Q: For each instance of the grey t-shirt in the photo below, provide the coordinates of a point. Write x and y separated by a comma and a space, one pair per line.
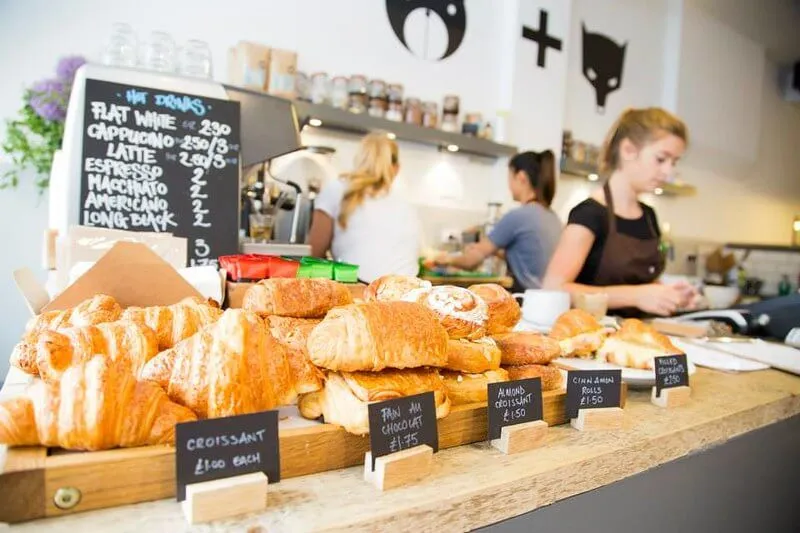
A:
529, 235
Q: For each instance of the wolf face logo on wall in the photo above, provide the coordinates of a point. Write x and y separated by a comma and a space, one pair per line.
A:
417, 13
603, 61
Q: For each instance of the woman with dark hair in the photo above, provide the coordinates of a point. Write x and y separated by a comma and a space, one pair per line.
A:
527, 234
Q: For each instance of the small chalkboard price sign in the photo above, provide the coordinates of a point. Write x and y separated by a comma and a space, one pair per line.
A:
592, 389
225, 447
671, 371
403, 423
160, 161
513, 402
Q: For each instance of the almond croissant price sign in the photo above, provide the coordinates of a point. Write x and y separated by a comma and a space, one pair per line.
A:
592, 389
225, 447
403, 423
671, 371
513, 402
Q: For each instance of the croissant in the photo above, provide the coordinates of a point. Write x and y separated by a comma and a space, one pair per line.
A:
393, 287
231, 367
95, 310
56, 351
293, 334
636, 345
578, 333
504, 311
346, 395
526, 348
462, 313
173, 323
299, 298
376, 335
97, 405
463, 388
473, 357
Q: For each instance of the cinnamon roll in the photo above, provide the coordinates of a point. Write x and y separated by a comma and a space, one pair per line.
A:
504, 311
462, 312
393, 287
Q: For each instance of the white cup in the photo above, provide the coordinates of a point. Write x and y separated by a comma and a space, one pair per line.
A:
542, 307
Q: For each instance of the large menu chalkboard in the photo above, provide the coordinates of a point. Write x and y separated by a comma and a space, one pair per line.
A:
156, 160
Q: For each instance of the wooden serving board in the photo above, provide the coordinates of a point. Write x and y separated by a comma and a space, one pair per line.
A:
33, 475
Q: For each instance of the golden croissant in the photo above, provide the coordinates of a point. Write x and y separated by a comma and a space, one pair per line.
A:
296, 297
173, 323
231, 367
95, 310
56, 351
97, 405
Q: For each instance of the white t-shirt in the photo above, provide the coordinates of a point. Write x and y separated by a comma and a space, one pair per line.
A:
382, 234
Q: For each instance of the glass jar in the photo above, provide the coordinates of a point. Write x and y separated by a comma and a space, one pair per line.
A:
319, 88
161, 52
195, 60
430, 115
451, 104
302, 86
394, 92
121, 50
413, 113
357, 89
394, 111
449, 122
339, 92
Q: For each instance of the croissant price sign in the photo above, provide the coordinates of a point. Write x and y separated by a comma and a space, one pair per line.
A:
403, 423
513, 402
671, 371
225, 447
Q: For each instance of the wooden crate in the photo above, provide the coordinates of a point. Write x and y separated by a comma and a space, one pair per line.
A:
110, 478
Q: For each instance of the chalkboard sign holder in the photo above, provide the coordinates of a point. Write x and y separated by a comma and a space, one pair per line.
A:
399, 468
672, 397
521, 437
223, 498
602, 419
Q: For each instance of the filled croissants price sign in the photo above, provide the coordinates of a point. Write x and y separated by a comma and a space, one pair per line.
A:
156, 160
593, 389
225, 447
513, 402
403, 423
671, 371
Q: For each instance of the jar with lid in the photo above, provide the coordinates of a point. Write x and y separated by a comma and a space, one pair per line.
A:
413, 113
394, 111
430, 115
451, 104
340, 92
319, 88
394, 92
377, 98
357, 89
302, 86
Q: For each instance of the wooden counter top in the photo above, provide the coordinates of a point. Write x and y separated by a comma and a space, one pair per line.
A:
475, 485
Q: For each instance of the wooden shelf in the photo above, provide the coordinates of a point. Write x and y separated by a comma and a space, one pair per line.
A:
362, 123
578, 169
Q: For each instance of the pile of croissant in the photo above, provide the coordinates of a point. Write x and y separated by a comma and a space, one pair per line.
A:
111, 377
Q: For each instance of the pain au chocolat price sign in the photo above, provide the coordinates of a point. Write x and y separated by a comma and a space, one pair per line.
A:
160, 161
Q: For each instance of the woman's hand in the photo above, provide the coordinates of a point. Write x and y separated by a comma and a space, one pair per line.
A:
660, 299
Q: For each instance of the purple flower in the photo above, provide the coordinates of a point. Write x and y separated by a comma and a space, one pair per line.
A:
65, 70
48, 99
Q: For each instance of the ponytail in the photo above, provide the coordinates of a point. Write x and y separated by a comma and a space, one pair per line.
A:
372, 175
540, 169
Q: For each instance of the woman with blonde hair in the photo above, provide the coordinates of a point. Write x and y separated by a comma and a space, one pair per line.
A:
363, 219
611, 241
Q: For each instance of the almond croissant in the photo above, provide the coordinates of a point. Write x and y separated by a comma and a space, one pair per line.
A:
97, 405
95, 310
173, 323
232, 367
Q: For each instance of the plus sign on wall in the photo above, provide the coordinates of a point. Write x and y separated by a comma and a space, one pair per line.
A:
541, 38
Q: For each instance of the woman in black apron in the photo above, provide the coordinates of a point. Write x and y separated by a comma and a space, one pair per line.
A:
611, 241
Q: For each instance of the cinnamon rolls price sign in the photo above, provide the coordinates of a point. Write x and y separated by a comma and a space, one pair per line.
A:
225, 447
155, 160
513, 402
593, 389
403, 423
671, 371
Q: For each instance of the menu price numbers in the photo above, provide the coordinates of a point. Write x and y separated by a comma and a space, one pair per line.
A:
399, 443
202, 160
513, 415
212, 128
671, 371
591, 400
513, 402
193, 142
593, 389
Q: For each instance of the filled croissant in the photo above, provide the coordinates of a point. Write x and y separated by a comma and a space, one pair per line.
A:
173, 323
97, 405
232, 367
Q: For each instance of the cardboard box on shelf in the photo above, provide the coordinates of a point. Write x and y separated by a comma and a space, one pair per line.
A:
282, 70
248, 65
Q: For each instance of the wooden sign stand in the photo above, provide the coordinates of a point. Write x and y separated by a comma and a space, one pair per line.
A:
672, 397
223, 498
604, 418
521, 437
399, 468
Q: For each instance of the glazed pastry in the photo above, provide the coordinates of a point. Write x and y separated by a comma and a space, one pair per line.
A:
462, 313
377, 335
635, 345
551, 376
293, 334
504, 311
472, 357
393, 287
465, 388
173, 323
95, 310
526, 348
56, 351
98, 404
232, 367
296, 297
344, 399
579, 333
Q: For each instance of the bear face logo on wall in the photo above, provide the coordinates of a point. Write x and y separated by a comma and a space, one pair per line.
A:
603, 62
424, 35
